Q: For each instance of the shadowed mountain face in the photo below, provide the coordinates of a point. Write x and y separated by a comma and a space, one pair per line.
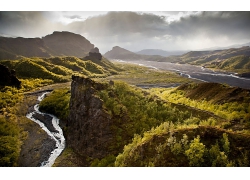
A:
67, 44
56, 44
12, 48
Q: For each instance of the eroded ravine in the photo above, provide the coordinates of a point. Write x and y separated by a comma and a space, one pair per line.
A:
50, 124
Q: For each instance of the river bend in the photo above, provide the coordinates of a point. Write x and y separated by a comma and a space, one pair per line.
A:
50, 124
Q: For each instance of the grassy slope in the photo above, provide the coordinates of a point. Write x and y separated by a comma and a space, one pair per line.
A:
136, 112
58, 69
175, 146
163, 146
35, 73
234, 59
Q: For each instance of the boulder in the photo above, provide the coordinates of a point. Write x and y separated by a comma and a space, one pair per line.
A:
8, 77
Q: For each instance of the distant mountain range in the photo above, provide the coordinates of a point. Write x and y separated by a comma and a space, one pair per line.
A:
232, 59
124, 54
57, 44
160, 52
226, 47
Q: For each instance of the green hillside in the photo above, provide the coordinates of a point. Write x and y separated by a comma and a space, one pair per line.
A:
237, 63
59, 69
174, 146
157, 130
234, 59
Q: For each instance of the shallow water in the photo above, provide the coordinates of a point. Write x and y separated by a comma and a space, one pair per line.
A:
56, 136
196, 72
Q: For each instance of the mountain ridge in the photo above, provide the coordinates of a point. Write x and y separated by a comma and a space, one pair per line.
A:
160, 52
120, 53
62, 43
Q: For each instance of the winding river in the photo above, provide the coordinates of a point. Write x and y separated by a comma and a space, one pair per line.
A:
52, 128
196, 72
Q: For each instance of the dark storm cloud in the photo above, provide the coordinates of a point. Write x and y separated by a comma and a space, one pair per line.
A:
135, 30
144, 29
213, 24
122, 23
26, 23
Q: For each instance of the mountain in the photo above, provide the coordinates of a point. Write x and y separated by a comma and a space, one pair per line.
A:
56, 44
160, 52
233, 59
67, 44
12, 48
226, 47
124, 54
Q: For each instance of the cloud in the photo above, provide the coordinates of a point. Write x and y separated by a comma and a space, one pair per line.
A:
26, 23
121, 23
186, 30
135, 30
213, 24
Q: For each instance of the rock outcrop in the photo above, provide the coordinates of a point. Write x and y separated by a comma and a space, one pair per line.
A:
94, 54
89, 125
8, 77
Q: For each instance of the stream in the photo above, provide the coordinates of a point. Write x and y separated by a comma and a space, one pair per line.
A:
50, 124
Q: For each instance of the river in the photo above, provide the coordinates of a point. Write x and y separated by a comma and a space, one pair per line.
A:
196, 72
50, 124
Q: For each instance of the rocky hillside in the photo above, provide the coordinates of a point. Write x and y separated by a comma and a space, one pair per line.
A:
56, 44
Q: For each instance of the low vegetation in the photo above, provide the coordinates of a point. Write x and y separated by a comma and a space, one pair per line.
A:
57, 103
10, 119
59, 69
138, 112
192, 125
173, 145
228, 103
9, 142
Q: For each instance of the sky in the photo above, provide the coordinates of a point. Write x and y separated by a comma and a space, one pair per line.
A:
134, 29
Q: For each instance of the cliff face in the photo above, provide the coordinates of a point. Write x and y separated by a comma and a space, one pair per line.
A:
89, 126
